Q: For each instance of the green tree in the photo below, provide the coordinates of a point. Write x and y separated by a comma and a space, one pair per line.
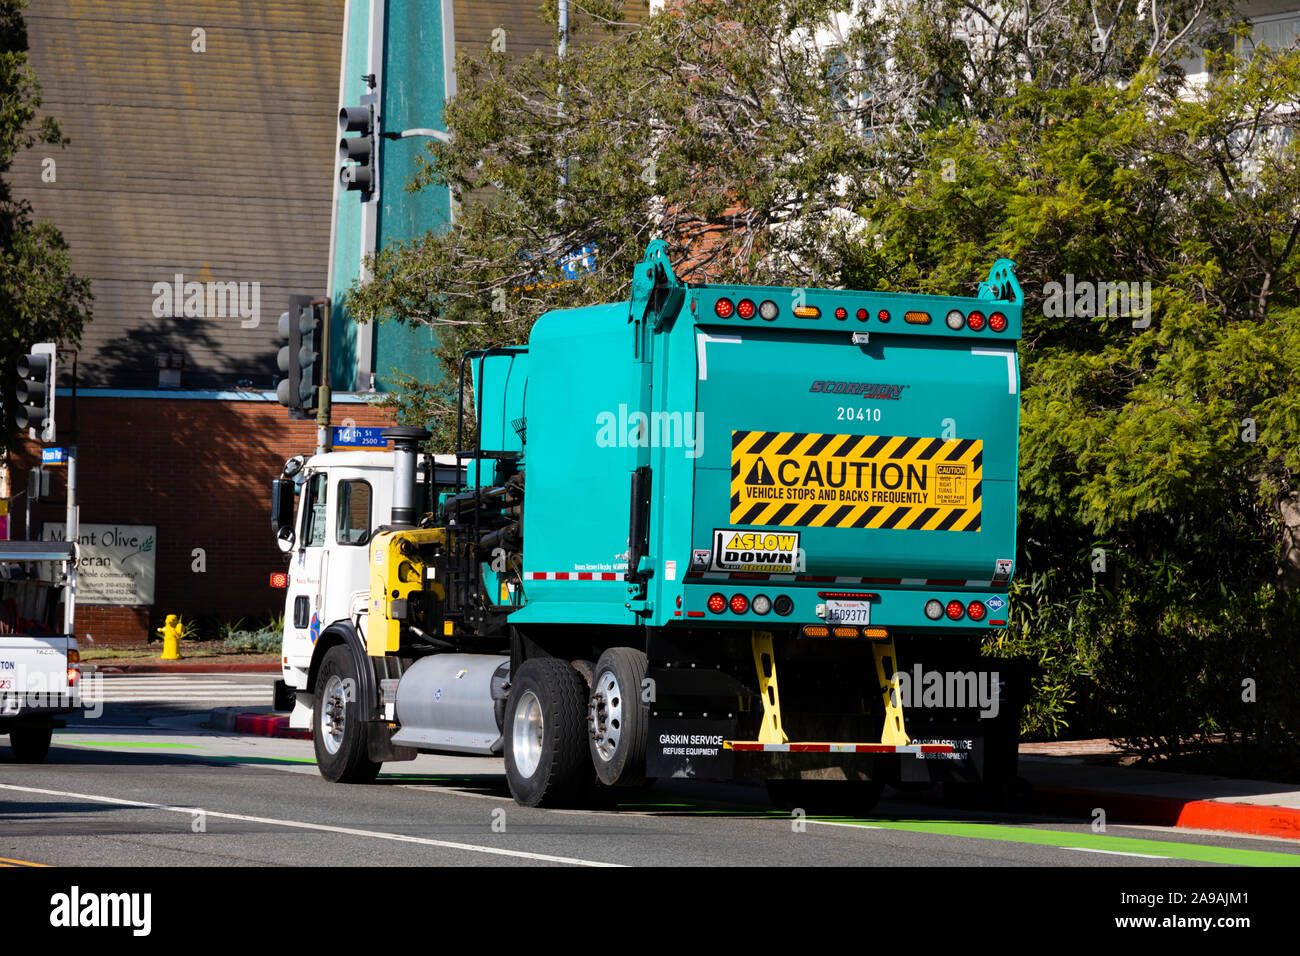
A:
907, 150
41, 298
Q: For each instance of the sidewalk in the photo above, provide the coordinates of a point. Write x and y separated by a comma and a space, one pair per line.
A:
1066, 779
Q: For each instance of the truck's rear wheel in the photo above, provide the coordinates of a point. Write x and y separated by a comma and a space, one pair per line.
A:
618, 719
339, 729
546, 759
852, 797
30, 744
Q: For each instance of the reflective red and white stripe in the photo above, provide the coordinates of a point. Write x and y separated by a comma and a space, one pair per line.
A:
573, 576
832, 579
755, 747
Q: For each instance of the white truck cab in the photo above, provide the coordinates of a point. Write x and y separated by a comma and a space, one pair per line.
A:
324, 510
39, 659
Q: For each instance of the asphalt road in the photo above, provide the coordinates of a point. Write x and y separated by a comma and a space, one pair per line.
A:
145, 783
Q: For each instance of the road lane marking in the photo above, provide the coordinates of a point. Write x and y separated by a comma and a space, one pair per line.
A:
5, 861
1090, 849
303, 825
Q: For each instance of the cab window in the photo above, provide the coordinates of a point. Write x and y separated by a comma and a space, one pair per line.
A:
353, 524
314, 527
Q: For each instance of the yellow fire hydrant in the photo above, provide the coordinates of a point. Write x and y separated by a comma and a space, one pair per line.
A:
172, 633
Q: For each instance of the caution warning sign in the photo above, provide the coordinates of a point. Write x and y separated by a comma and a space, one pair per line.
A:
802, 479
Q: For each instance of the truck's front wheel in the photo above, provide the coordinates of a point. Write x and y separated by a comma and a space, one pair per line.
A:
546, 758
30, 744
339, 730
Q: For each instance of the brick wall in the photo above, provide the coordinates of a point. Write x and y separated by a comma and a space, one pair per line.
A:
198, 469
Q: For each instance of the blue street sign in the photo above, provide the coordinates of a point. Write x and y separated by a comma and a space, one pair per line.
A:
352, 438
54, 456
574, 264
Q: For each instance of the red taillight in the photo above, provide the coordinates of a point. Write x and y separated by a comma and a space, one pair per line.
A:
739, 604
279, 579
975, 610
862, 315
955, 610
975, 321
883, 315
723, 308
74, 676
998, 322
746, 309
717, 603
841, 312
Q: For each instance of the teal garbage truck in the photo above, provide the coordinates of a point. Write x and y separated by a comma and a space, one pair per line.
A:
714, 531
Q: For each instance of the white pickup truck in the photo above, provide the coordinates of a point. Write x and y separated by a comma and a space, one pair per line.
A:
39, 659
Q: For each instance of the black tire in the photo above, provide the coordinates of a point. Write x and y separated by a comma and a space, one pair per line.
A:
30, 744
350, 762
588, 671
548, 707
849, 797
618, 733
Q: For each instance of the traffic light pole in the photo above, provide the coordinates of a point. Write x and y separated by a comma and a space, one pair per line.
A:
323, 437
73, 520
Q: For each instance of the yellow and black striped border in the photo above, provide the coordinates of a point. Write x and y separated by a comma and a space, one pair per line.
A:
748, 446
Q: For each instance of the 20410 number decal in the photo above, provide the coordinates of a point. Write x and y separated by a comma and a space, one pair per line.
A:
848, 414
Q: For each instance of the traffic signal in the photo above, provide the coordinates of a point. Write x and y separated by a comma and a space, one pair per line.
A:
363, 150
302, 329
35, 392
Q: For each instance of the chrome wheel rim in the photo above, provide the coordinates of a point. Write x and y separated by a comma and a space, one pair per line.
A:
333, 714
605, 716
526, 734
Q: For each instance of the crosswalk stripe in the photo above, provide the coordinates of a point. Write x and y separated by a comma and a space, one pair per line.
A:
165, 688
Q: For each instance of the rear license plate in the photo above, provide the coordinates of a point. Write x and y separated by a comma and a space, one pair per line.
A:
848, 612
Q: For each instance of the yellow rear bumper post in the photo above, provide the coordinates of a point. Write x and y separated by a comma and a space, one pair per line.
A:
894, 731
771, 731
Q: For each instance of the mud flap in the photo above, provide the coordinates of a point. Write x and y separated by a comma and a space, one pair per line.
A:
379, 743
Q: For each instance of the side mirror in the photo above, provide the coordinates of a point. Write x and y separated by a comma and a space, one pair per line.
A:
282, 491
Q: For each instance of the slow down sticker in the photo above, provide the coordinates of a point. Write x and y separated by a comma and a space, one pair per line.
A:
805, 479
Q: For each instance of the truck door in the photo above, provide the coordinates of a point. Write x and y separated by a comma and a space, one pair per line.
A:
349, 570
305, 608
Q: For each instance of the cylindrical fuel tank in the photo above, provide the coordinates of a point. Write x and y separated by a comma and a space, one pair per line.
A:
447, 702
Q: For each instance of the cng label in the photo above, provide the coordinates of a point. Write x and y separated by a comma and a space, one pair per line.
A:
805, 479
768, 552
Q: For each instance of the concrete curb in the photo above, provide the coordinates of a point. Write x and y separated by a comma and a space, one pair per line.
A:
258, 724
1249, 818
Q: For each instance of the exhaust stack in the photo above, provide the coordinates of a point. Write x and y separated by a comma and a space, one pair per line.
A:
406, 447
